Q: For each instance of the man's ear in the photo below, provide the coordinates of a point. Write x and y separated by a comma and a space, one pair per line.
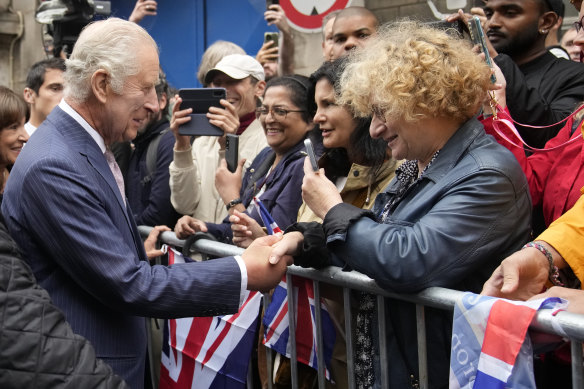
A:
260, 87
100, 85
547, 21
29, 95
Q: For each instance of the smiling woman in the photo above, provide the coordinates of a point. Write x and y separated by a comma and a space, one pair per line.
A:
13, 114
275, 175
456, 207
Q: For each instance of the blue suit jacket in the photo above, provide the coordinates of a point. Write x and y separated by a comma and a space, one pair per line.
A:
63, 208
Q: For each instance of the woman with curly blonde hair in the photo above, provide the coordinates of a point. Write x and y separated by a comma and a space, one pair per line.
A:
458, 205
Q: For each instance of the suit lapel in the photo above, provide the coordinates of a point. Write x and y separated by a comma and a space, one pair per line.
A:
81, 141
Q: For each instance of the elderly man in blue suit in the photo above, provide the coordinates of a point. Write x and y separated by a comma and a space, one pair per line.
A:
64, 206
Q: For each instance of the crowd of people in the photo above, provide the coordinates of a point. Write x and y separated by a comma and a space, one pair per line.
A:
418, 185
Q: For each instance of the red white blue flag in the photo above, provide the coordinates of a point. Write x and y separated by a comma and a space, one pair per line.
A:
490, 348
209, 352
277, 331
268, 220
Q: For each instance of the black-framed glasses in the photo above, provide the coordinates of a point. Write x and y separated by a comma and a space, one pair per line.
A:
277, 112
578, 25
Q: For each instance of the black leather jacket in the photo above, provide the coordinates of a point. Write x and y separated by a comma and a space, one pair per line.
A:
452, 228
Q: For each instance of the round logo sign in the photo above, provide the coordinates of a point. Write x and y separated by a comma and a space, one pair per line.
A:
306, 15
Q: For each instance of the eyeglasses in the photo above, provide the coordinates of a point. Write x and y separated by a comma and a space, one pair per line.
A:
578, 25
378, 113
277, 112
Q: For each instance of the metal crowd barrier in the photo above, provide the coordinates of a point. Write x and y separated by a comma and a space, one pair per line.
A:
545, 321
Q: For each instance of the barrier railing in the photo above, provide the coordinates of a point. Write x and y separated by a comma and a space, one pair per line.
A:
571, 324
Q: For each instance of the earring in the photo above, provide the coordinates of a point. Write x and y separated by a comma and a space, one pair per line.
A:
543, 31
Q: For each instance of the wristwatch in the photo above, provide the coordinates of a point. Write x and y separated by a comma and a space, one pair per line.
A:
233, 203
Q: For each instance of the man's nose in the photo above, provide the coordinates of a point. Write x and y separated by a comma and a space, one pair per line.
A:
152, 101
350, 43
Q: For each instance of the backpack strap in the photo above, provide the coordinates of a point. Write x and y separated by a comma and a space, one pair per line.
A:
152, 157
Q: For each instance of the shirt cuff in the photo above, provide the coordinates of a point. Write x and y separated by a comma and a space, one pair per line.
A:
183, 158
243, 270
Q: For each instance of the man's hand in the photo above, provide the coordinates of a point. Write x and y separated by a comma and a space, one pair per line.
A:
187, 226
261, 274
520, 276
275, 15
225, 118
228, 184
150, 242
182, 142
268, 53
319, 193
143, 8
245, 229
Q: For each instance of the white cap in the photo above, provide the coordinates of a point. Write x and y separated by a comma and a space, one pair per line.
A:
238, 67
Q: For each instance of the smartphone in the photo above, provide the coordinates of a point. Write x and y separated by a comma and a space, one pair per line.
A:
311, 155
200, 100
231, 151
271, 36
477, 36
268, 4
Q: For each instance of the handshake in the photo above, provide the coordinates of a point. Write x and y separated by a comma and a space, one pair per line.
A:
267, 259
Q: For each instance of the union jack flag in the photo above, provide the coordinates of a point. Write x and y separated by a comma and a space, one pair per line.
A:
268, 220
209, 352
277, 331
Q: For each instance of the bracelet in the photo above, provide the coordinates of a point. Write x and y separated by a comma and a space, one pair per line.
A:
233, 203
554, 274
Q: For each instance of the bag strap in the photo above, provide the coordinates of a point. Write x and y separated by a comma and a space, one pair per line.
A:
502, 119
152, 157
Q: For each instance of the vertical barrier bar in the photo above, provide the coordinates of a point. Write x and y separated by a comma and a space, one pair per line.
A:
349, 337
319, 341
383, 357
292, 325
577, 380
422, 351
269, 351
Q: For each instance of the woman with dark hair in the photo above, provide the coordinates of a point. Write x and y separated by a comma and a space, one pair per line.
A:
275, 175
13, 114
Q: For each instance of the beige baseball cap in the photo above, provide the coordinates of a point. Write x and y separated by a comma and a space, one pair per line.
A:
237, 66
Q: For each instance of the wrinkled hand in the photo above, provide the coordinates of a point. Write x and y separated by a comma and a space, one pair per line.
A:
143, 8
268, 53
275, 15
574, 296
319, 193
187, 226
261, 274
289, 245
151, 241
182, 142
245, 229
228, 184
225, 118
520, 276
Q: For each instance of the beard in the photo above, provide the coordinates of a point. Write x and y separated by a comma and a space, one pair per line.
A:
519, 44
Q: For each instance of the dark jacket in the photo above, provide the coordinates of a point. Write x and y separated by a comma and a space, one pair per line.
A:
451, 229
38, 348
283, 190
150, 200
542, 92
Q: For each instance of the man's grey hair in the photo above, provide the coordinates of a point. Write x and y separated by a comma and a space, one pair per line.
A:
110, 45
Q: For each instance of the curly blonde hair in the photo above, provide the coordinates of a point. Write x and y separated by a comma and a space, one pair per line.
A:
411, 72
